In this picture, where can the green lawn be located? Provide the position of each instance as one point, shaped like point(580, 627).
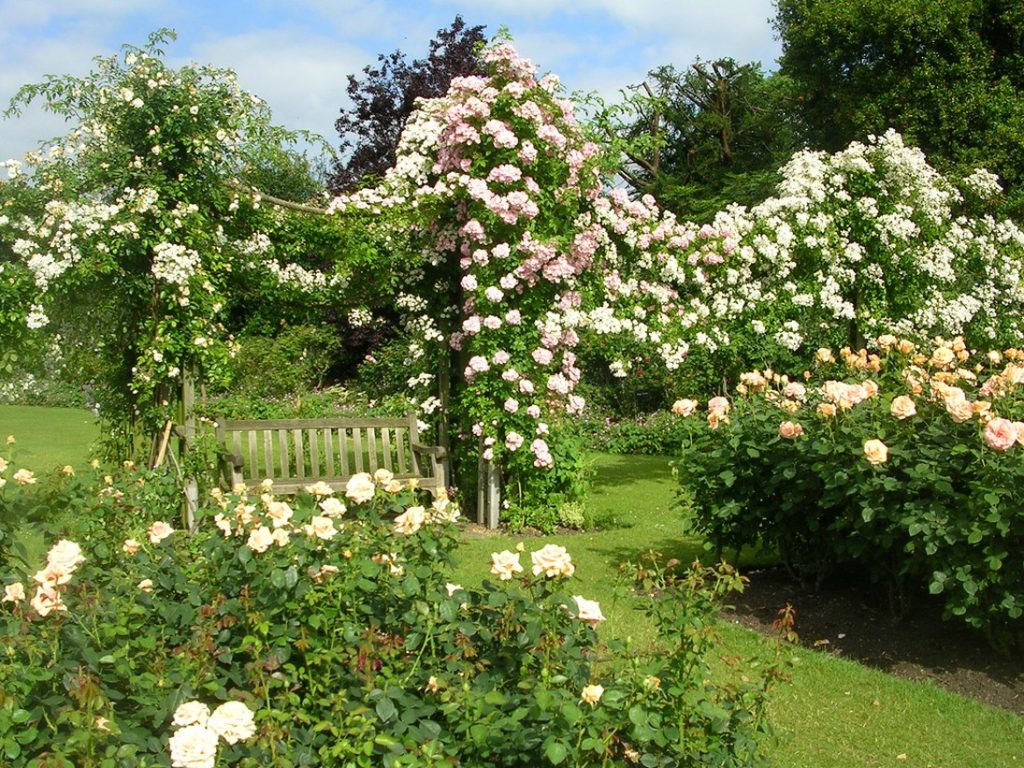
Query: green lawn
point(47, 438)
point(832, 713)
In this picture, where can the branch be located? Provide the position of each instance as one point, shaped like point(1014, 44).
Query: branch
point(278, 201)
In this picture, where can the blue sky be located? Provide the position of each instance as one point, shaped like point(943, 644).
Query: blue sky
point(297, 54)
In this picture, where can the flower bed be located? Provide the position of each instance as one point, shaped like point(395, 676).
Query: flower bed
point(325, 630)
point(904, 464)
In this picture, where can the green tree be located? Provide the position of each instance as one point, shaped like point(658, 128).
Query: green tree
point(137, 237)
point(947, 75)
point(701, 138)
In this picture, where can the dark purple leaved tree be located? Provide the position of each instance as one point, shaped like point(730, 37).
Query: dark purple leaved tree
point(385, 97)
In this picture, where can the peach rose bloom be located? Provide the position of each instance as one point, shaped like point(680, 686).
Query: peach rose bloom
point(592, 694)
point(360, 488)
point(146, 585)
point(876, 452)
point(159, 531)
point(885, 341)
point(1000, 434)
point(902, 407)
point(588, 610)
point(942, 356)
point(714, 419)
point(795, 390)
point(960, 410)
point(552, 560)
point(279, 512)
point(870, 388)
point(824, 355)
point(684, 407)
point(383, 476)
point(130, 546)
point(411, 520)
point(718, 406)
point(790, 430)
point(505, 564)
point(828, 410)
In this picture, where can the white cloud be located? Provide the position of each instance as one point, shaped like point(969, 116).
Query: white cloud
point(301, 77)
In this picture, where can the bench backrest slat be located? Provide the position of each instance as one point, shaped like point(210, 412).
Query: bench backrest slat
point(296, 452)
point(400, 449)
point(314, 453)
point(357, 447)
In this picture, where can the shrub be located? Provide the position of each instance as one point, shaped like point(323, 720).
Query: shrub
point(321, 635)
point(900, 464)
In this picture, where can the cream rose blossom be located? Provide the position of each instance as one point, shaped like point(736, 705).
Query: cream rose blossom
point(360, 488)
point(383, 476)
point(592, 694)
point(279, 512)
point(194, 746)
point(191, 713)
point(14, 593)
point(130, 546)
point(411, 520)
point(588, 610)
point(321, 527)
point(25, 477)
point(260, 539)
point(232, 721)
point(159, 531)
point(505, 564)
point(332, 507)
point(47, 600)
point(876, 452)
point(65, 556)
point(146, 585)
point(319, 488)
point(552, 560)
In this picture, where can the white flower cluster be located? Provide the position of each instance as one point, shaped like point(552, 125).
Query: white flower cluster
point(174, 263)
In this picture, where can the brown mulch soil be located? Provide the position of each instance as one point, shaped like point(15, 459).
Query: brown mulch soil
point(854, 621)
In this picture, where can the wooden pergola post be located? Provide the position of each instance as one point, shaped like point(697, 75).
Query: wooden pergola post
point(188, 421)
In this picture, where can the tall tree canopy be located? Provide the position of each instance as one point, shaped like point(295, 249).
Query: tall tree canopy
point(948, 75)
point(706, 136)
point(383, 100)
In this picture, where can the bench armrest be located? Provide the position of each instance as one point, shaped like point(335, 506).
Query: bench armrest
point(437, 451)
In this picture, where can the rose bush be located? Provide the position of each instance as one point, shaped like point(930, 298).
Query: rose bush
point(901, 464)
point(325, 629)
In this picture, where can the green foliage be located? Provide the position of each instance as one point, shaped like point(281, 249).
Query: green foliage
point(947, 75)
point(347, 640)
point(655, 434)
point(295, 360)
point(801, 472)
point(705, 137)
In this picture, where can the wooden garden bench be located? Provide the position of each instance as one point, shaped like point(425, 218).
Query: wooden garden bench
point(295, 453)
